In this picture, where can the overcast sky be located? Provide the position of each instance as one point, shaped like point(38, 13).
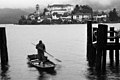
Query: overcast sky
point(31, 3)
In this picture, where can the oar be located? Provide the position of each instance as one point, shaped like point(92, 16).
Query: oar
point(50, 55)
point(53, 57)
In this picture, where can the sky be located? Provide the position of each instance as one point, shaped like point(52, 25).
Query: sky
point(100, 4)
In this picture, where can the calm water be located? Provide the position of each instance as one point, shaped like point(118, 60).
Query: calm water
point(65, 42)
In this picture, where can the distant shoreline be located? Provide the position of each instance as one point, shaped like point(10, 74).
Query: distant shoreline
point(58, 24)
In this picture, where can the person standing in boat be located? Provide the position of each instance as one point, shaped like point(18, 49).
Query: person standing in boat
point(41, 49)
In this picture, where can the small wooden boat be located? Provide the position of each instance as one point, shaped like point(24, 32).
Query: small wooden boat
point(48, 65)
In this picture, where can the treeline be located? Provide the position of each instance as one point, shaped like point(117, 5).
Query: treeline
point(82, 9)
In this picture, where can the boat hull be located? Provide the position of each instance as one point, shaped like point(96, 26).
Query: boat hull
point(48, 66)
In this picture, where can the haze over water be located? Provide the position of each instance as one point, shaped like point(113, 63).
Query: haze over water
point(65, 42)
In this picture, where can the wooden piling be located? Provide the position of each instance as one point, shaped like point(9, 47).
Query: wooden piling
point(91, 51)
point(111, 57)
point(104, 61)
point(104, 53)
point(117, 52)
point(89, 38)
point(111, 52)
point(101, 43)
point(3, 48)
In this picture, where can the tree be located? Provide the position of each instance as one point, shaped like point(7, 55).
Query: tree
point(86, 9)
point(45, 10)
point(76, 9)
point(82, 9)
point(113, 16)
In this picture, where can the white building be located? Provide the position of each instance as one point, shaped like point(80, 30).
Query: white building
point(100, 18)
point(82, 16)
point(60, 8)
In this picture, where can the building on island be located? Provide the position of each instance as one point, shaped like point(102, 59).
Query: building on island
point(100, 16)
point(82, 17)
point(82, 13)
point(63, 13)
point(37, 11)
point(59, 10)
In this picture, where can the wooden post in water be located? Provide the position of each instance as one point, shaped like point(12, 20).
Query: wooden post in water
point(89, 41)
point(101, 43)
point(104, 49)
point(111, 52)
point(3, 48)
point(117, 52)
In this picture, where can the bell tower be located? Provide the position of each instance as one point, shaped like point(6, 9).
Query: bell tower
point(37, 12)
point(37, 7)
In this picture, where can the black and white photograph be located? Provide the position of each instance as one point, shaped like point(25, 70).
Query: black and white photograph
point(59, 39)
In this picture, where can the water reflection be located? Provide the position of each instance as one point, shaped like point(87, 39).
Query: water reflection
point(93, 76)
point(5, 73)
point(112, 73)
point(51, 73)
point(45, 76)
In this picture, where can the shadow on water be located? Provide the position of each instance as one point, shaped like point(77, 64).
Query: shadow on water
point(45, 76)
point(51, 72)
point(4, 74)
point(112, 73)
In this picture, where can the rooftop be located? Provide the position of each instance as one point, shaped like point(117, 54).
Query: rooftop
point(60, 5)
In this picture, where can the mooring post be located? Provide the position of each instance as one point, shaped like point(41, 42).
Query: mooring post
point(101, 43)
point(111, 52)
point(104, 48)
point(89, 42)
point(3, 48)
point(117, 52)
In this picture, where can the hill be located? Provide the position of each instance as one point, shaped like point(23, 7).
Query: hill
point(11, 16)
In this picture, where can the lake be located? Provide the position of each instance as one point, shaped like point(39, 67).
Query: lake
point(65, 42)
